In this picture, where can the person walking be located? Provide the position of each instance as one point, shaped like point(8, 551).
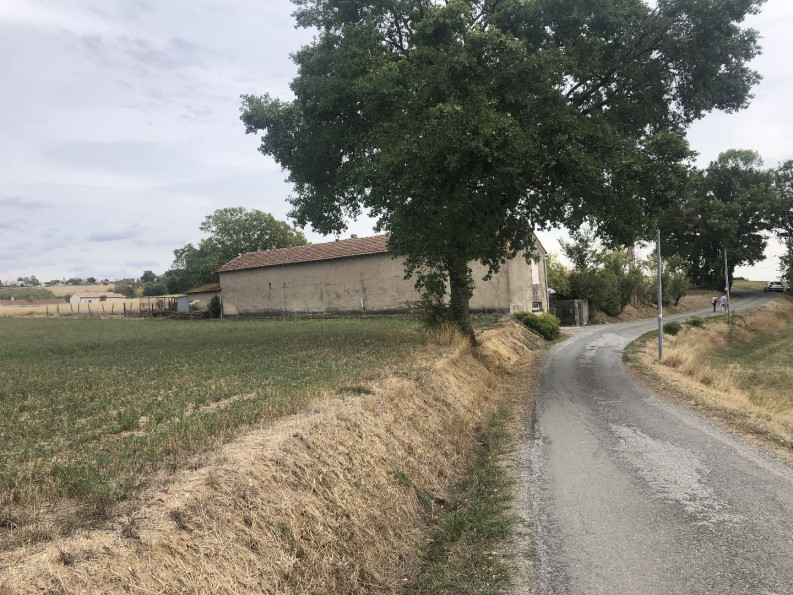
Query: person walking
point(714, 300)
point(723, 303)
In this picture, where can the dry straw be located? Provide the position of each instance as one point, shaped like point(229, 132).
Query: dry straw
point(335, 500)
point(692, 364)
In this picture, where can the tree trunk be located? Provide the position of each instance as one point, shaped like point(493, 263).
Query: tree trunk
point(460, 295)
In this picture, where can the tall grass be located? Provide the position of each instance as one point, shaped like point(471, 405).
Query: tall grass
point(89, 406)
point(743, 373)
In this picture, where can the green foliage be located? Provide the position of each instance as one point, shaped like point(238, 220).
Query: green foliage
point(557, 275)
point(585, 251)
point(462, 126)
point(729, 205)
point(599, 287)
point(148, 277)
point(545, 324)
point(672, 328)
point(786, 264)
point(466, 554)
point(29, 281)
point(127, 288)
point(176, 280)
point(214, 307)
point(783, 217)
point(677, 284)
point(26, 293)
point(674, 278)
point(431, 311)
point(232, 232)
point(152, 289)
point(696, 321)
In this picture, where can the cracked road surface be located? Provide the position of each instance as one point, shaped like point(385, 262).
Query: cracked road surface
point(634, 493)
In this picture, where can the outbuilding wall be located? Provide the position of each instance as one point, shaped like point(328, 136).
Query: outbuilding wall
point(200, 300)
point(360, 284)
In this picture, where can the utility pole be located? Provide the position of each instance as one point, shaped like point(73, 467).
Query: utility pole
point(547, 289)
point(727, 288)
point(660, 299)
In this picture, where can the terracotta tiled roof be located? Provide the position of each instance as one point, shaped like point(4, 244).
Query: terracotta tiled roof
point(206, 288)
point(309, 253)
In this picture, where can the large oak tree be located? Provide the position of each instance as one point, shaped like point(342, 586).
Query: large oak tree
point(464, 125)
point(730, 205)
point(783, 217)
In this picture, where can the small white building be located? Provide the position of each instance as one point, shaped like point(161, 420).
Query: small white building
point(86, 297)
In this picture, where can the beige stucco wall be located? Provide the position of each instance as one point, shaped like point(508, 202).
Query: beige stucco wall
point(203, 298)
point(340, 285)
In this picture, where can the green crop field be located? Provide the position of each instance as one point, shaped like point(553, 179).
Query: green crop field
point(88, 406)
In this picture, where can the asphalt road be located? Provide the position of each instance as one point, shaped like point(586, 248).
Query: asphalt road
point(634, 493)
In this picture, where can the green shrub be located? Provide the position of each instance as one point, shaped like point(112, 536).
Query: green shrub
point(214, 307)
point(431, 311)
point(696, 321)
point(546, 324)
point(672, 328)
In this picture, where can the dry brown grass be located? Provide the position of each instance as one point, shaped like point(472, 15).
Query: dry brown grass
point(97, 309)
point(63, 290)
point(730, 373)
point(695, 300)
point(315, 503)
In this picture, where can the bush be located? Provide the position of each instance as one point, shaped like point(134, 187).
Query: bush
point(672, 328)
point(214, 307)
point(431, 311)
point(696, 321)
point(546, 324)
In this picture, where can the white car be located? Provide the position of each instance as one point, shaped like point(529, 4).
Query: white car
point(774, 286)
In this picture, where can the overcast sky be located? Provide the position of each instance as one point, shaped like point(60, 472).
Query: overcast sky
point(120, 130)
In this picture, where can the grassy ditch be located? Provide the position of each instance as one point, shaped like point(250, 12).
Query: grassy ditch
point(467, 553)
point(740, 375)
point(89, 406)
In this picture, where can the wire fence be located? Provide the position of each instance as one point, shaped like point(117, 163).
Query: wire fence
point(130, 308)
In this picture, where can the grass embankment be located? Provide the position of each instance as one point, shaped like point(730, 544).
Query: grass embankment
point(339, 497)
point(740, 375)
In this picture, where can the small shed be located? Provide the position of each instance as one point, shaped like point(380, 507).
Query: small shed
point(199, 297)
point(183, 304)
point(573, 312)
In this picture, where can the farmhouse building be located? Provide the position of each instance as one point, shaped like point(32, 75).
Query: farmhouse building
point(359, 275)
